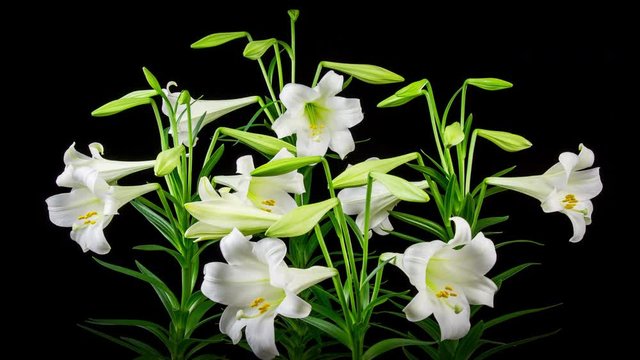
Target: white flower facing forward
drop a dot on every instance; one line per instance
(88, 212)
(269, 193)
(448, 277)
(218, 214)
(382, 201)
(210, 109)
(81, 170)
(256, 285)
(567, 187)
(318, 117)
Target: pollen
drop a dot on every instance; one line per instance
(264, 307)
(256, 302)
(570, 201)
(269, 202)
(87, 216)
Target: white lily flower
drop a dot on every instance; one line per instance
(567, 187)
(256, 285)
(210, 109)
(382, 201)
(81, 170)
(448, 277)
(318, 117)
(89, 211)
(218, 214)
(269, 193)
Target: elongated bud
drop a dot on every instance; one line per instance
(255, 49)
(167, 160)
(268, 145)
(371, 74)
(217, 39)
(151, 79)
(401, 188)
(286, 165)
(300, 220)
(119, 105)
(491, 84)
(356, 175)
(404, 95)
(505, 140)
(453, 135)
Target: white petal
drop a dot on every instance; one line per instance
(203, 231)
(344, 113)
(415, 261)
(237, 285)
(64, 209)
(244, 165)
(586, 158)
(352, 199)
(342, 142)
(307, 145)
(239, 183)
(535, 186)
(96, 149)
(270, 198)
(553, 202)
(585, 184)
(289, 123)
(330, 84)
(480, 291)
(578, 223)
(295, 280)
(269, 251)
(420, 307)
(118, 196)
(230, 325)
(260, 335)
(91, 238)
(463, 232)
(295, 96)
(294, 307)
(238, 250)
(206, 190)
(453, 326)
(568, 160)
(384, 227)
(73, 155)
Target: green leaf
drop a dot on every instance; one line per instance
(282, 166)
(490, 84)
(516, 314)
(513, 344)
(498, 279)
(357, 175)
(113, 339)
(505, 140)
(211, 163)
(119, 105)
(255, 49)
(401, 188)
(329, 329)
(434, 174)
(470, 342)
(217, 39)
(153, 247)
(404, 95)
(301, 219)
(144, 348)
(155, 329)
(489, 221)
(162, 290)
(421, 223)
(371, 74)
(158, 221)
(385, 345)
(151, 79)
(504, 243)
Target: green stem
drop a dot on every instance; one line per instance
(316, 77)
(462, 147)
(266, 111)
(337, 282)
(212, 145)
(189, 177)
(293, 51)
(276, 49)
(156, 113)
(365, 233)
(436, 131)
(266, 80)
(472, 147)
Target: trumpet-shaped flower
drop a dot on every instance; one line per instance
(448, 277)
(218, 214)
(207, 110)
(269, 193)
(567, 187)
(89, 211)
(318, 117)
(81, 170)
(257, 285)
(382, 201)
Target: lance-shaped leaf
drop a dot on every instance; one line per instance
(505, 140)
(217, 39)
(266, 144)
(255, 49)
(371, 74)
(167, 160)
(401, 188)
(356, 175)
(300, 220)
(490, 84)
(404, 95)
(285, 165)
(453, 135)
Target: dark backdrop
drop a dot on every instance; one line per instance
(568, 71)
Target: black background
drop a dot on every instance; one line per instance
(568, 68)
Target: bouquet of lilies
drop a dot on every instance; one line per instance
(297, 277)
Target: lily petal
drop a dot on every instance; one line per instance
(261, 336)
(453, 324)
(294, 307)
(230, 325)
(420, 307)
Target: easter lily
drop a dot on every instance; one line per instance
(318, 117)
(382, 201)
(210, 109)
(81, 170)
(448, 277)
(88, 211)
(257, 285)
(269, 193)
(567, 187)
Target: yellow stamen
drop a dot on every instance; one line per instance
(269, 202)
(257, 301)
(570, 201)
(87, 215)
(264, 307)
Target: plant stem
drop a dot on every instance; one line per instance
(266, 80)
(472, 147)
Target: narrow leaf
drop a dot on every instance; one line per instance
(217, 39)
(421, 223)
(385, 345)
(498, 279)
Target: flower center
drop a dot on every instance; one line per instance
(569, 201)
(89, 218)
(260, 304)
(316, 122)
(448, 292)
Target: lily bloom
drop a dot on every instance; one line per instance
(87, 212)
(567, 187)
(269, 193)
(257, 285)
(448, 277)
(318, 117)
